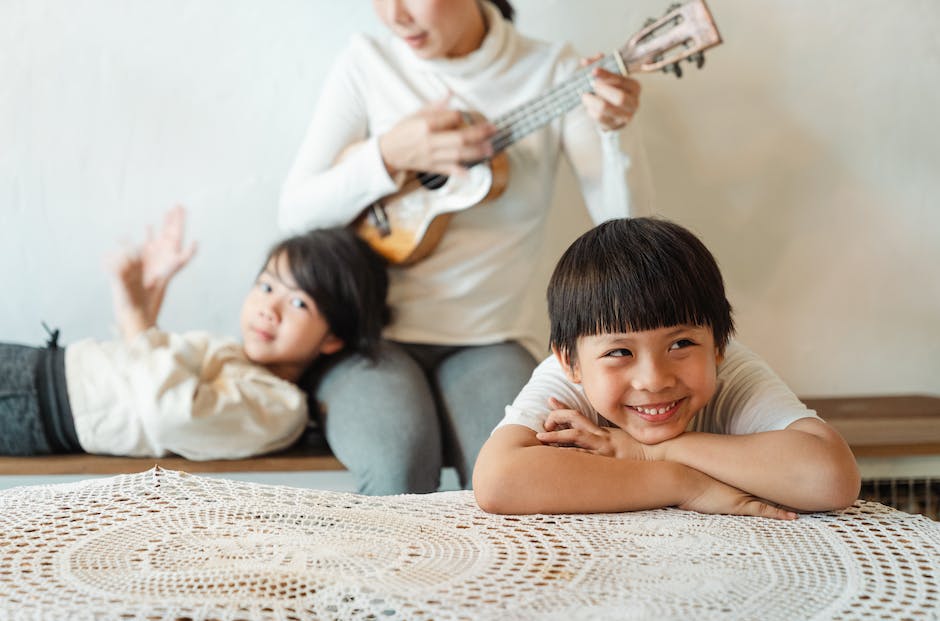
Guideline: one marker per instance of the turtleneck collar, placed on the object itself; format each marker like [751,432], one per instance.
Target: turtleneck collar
[492,47]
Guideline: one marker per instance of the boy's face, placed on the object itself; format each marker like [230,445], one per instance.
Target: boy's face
[651,383]
[282,329]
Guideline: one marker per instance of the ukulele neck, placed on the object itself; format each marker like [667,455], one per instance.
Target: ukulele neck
[530,116]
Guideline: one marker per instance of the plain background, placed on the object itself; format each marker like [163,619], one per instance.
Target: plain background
[805,154]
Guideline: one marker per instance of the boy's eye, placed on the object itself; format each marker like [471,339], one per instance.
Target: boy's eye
[619,353]
[681,344]
[298,303]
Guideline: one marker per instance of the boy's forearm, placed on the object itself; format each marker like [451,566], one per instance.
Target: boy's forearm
[547,479]
[791,467]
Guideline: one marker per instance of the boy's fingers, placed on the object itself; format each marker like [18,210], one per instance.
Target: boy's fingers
[763,509]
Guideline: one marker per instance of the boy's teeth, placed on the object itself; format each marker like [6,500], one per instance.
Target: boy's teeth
[662,410]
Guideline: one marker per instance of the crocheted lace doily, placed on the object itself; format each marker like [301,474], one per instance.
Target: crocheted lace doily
[168,545]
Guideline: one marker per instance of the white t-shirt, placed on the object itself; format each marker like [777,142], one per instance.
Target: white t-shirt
[749,398]
[471,289]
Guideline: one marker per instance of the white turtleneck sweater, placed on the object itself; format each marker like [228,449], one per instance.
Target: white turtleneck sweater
[470,289]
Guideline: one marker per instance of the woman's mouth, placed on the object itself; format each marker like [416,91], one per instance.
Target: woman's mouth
[656,412]
[416,40]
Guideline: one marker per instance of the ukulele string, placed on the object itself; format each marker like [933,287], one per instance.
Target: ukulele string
[525,119]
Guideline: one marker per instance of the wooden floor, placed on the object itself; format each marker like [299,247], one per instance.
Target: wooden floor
[878,426]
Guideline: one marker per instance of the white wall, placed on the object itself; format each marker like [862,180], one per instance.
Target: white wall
[804,154]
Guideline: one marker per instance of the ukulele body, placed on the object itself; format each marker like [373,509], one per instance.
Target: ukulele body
[405,227]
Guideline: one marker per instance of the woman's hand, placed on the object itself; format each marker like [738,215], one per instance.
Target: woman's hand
[566,427]
[436,139]
[615,99]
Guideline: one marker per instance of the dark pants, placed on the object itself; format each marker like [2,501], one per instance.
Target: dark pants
[35,418]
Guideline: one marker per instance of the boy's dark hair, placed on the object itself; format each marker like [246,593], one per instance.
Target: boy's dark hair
[346,279]
[635,274]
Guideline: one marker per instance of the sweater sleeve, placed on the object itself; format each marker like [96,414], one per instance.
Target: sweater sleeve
[331,181]
[187,394]
[598,159]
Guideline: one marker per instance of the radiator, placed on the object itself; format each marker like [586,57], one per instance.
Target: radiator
[911,484]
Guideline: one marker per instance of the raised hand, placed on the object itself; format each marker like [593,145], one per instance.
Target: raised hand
[436,139]
[164,255]
[139,276]
[615,99]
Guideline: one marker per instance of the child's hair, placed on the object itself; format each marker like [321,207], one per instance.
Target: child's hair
[346,279]
[635,274]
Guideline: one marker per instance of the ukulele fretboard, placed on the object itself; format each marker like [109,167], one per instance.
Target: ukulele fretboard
[522,121]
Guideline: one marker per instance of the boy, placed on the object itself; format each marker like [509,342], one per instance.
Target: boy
[646,403]
[194,394]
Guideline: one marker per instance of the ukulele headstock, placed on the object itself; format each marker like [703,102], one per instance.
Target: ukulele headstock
[684,32]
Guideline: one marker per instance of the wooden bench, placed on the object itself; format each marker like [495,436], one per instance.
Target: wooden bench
[879,426]
[289,461]
[884,426]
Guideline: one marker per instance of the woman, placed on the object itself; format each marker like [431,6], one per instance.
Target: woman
[453,358]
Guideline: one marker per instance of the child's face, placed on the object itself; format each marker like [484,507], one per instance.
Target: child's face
[282,328]
[651,383]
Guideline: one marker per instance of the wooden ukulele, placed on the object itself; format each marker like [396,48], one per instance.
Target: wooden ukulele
[406,226]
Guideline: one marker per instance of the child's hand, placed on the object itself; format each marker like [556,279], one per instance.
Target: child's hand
[140,275]
[163,256]
[713,496]
[130,297]
[569,428]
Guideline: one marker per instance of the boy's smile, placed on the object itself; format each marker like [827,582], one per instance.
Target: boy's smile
[651,383]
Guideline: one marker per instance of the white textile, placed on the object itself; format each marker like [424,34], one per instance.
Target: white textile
[168,545]
[470,290]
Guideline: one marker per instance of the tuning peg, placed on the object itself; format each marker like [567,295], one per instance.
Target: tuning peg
[673,68]
[672,7]
[649,22]
[698,58]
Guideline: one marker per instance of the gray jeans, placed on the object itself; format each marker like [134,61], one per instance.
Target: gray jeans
[394,423]
[35,418]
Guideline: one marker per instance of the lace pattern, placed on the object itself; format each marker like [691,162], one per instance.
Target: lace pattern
[169,545]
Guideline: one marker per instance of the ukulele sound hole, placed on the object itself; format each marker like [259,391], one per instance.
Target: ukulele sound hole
[432,181]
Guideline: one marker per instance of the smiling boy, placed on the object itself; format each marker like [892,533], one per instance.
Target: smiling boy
[646,401]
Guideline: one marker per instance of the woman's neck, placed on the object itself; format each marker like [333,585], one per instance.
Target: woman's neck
[474,34]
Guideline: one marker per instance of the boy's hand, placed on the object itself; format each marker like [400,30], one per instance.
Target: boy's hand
[712,496]
[566,427]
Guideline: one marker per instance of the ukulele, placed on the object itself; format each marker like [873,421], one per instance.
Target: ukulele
[406,226]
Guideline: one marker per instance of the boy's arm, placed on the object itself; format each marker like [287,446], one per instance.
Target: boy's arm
[807,466]
[515,473]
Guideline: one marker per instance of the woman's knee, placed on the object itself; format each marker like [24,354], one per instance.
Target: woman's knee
[381,422]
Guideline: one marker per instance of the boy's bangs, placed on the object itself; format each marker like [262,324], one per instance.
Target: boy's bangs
[621,306]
